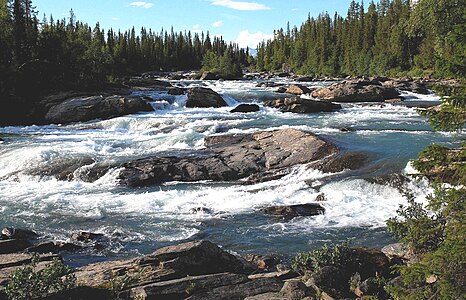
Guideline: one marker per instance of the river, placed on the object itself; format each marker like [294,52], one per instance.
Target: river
[139,220]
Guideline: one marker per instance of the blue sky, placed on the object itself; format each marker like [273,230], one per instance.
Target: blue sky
[245,22]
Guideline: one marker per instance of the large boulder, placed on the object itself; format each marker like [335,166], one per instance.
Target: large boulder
[360,90]
[231,157]
[245,108]
[204,97]
[303,106]
[291,211]
[298,89]
[83,109]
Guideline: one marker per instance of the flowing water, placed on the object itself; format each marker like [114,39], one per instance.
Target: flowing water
[139,220]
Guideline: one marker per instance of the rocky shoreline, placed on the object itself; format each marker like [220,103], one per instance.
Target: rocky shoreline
[202,270]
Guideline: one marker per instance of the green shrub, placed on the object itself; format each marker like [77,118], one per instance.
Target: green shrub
[329,255]
[27,282]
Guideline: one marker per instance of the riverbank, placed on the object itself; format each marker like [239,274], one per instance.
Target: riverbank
[202,270]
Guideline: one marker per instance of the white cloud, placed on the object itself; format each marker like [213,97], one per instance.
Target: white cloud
[115,19]
[239,5]
[251,40]
[142,4]
[197,27]
[217,24]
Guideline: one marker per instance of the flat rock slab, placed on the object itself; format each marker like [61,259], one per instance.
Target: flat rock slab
[174,262]
[230,157]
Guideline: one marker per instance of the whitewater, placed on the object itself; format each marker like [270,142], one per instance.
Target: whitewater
[139,220]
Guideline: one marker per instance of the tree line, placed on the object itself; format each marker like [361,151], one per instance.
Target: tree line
[40,56]
[392,37]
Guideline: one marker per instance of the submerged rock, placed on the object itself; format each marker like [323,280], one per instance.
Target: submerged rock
[246,108]
[291,211]
[360,90]
[303,106]
[231,157]
[95,107]
[204,97]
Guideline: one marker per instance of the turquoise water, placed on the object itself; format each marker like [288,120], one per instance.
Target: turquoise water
[140,220]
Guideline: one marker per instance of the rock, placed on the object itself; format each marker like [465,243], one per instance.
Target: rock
[204,97]
[270,84]
[370,262]
[282,275]
[333,280]
[267,296]
[345,129]
[295,290]
[407,84]
[231,157]
[291,211]
[370,286]
[19,234]
[198,210]
[305,79]
[281,90]
[356,91]
[62,167]
[53,247]
[246,108]
[298,89]
[176,91]
[321,197]
[86,237]
[95,107]
[19,259]
[303,106]
[283,74]
[173,262]
[12,246]
[185,287]
[240,291]
[209,76]
[263,262]
[395,180]
[148,83]
[9,263]
[347,161]
[398,250]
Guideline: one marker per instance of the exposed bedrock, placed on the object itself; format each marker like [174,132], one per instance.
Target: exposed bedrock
[231,157]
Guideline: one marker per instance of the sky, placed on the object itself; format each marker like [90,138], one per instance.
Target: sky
[244,22]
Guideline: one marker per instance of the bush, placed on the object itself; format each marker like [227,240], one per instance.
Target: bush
[28,283]
[329,255]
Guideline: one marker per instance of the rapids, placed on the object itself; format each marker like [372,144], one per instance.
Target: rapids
[143,219]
